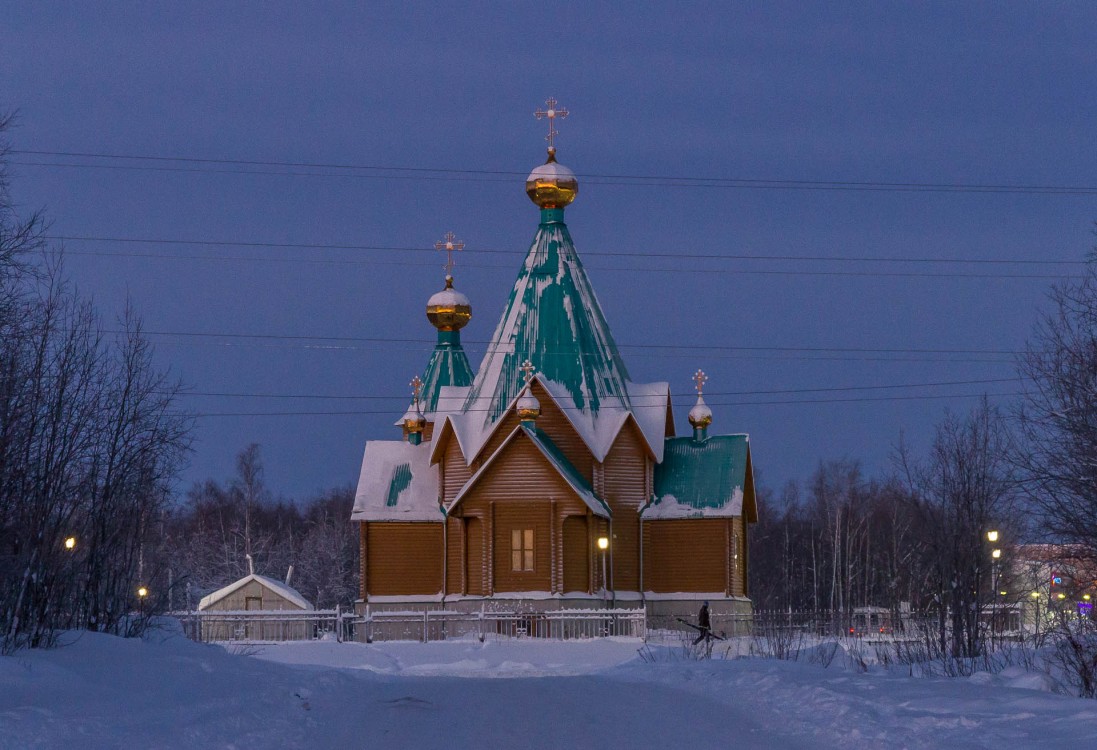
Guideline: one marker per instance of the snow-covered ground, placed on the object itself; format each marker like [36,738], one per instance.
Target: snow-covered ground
[165,692]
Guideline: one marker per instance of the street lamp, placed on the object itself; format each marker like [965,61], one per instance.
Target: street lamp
[142,592]
[603,545]
[70,542]
[996,554]
[992,536]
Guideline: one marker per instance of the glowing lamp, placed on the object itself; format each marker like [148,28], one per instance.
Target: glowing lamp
[1035,594]
[1086,597]
[1062,596]
[70,542]
[996,554]
[142,592]
[992,536]
[603,542]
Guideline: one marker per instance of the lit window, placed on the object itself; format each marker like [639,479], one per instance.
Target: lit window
[521,549]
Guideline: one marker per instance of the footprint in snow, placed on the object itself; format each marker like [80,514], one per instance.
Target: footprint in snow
[408,701]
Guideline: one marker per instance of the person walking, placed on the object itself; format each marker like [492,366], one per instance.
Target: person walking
[704,624]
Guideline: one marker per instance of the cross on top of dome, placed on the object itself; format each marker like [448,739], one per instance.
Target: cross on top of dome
[700,378]
[528,369]
[551,112]
[416,388]
[451,245]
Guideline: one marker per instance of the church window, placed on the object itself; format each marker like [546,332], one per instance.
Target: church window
[521,549]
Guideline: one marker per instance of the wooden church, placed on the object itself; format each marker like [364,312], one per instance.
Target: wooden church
[548,479]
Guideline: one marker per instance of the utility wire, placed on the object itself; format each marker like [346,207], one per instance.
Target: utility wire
[656,399]
[623,179]
[586,253]
[366,412]
[622,269]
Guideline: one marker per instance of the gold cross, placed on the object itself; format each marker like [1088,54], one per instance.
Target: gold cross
[416,388]
[528,368]
[551,112]
[450,244]
[700,378]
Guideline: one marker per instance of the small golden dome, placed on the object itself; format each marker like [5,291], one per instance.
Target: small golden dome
[528,407]
[449,310]
[552,185]
[700,415]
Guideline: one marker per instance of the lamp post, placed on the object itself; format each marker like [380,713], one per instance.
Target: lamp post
[603,545]
[1036,620]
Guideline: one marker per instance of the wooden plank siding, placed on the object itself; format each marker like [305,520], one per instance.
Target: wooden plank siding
[576,554]
[455,473]
[403,559]
[625,486]
[553,422]
[521,490]
[684,555]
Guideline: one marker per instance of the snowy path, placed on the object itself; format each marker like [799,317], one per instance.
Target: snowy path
[104,692]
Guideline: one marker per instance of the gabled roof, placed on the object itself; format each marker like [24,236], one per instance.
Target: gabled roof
[555,458]
[282,589]
[709,478]
[552,318]
[397,483]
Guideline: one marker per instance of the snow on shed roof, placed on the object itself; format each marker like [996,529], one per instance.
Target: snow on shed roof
[282,589]
[397,483]
[702,478]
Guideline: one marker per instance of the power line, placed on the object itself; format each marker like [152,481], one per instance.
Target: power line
[367,412]
[586,253]
[624,269]
[405,172]
[695,347]
[836,389]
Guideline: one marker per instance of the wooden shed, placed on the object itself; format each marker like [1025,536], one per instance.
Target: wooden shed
[229,612]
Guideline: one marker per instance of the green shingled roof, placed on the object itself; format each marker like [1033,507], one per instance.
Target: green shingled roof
[553,318]
[700,478]
[401,478]
[448,366]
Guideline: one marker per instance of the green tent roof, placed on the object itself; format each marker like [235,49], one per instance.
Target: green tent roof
[702,478]
[552,318]
[448,366]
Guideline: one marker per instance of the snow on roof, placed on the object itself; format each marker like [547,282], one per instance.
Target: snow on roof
[552,318]
[555,458]
[283,590]
[397,483]
[701,478]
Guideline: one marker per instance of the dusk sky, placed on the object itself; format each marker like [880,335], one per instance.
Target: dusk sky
[847,214]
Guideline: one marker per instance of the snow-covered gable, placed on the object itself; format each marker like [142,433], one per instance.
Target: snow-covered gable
[553,319]
[281,589]
[397,483]
[554,456]
[708,478]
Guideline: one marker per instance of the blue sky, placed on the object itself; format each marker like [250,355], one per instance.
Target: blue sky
[927,93]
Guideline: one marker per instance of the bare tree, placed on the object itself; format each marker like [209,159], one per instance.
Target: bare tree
[965,487]
[1058,418]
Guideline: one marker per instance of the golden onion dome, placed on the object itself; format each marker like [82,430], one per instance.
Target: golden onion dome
[449,310]
[528,407]
[700,416]
[552,185]
[414,421]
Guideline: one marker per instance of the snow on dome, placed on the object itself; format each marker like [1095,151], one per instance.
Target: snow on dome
[448,297]
[700,415]
[552,185]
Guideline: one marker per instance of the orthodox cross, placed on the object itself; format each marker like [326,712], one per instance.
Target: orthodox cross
[700,378]
[528,368]
[551,112]
[450,244]
[416,388]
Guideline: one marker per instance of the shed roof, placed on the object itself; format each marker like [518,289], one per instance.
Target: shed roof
[397,483]
[708,478]
[284,590]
